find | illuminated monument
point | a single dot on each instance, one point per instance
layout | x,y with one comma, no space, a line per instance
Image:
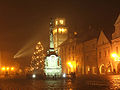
52,60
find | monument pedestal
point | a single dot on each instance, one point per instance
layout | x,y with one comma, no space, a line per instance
52,61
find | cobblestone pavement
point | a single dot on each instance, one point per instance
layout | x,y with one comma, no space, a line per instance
110,82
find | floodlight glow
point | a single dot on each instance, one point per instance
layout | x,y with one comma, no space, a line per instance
70,64
3,69
33,76
64,75
114,55
12,68
7,68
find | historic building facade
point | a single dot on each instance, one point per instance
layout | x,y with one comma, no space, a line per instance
90,60
91,55
116,45
103,54
72,56
108,54
79,56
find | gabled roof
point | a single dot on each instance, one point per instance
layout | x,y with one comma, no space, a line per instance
118,20
102,38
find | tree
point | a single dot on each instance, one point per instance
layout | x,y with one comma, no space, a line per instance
37,62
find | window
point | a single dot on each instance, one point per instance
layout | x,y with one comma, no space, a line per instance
105,53
99,54
56,22
61,21
117,50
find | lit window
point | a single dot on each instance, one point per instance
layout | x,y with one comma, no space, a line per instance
56,22
54,31
60,29
61,21
88,68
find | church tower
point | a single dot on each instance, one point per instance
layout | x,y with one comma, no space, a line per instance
60,32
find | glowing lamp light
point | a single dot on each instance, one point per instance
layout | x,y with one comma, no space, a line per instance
12,68
7,68
60,29
108,70
56,22
61,21
33,76
88,68
64,75
70,64
3,69
114,55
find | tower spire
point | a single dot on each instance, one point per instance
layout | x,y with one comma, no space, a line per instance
51,34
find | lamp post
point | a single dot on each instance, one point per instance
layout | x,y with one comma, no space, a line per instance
72,65
116,59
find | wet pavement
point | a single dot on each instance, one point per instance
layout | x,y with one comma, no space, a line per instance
110,82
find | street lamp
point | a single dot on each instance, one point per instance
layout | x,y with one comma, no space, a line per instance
12,68
7,68
72,65
3,69
115,56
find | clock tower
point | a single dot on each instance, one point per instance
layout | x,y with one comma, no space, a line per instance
60,32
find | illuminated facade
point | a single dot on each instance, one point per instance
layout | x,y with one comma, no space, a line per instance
60,32
78,55
103,54
116,45
52,60
91,55
108,54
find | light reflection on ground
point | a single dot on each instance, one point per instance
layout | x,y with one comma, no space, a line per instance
114,82
111,82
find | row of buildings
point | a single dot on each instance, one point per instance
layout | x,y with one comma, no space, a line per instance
87,53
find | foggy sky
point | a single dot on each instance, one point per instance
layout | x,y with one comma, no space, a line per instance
23,21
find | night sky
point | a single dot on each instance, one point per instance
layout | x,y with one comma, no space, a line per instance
25,21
